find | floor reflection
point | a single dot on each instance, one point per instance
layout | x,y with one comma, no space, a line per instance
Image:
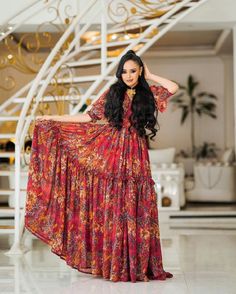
202,261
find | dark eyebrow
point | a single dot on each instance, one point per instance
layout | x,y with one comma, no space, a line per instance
131,68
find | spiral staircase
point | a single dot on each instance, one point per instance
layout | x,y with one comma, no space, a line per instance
84,43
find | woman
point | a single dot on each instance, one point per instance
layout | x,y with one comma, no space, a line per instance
90,192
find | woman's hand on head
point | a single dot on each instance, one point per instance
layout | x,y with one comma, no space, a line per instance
147,73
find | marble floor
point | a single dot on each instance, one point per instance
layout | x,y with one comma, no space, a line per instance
202,261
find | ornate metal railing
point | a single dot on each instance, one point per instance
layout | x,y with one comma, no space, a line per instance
25,52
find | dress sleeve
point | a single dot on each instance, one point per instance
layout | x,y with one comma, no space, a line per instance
161,94
96,112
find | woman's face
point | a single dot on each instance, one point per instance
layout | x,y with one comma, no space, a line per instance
130,73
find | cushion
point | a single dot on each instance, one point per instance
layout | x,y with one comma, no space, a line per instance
228,156
162,155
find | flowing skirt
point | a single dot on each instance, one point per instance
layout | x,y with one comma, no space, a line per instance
90,196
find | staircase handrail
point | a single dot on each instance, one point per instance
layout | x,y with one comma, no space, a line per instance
12,27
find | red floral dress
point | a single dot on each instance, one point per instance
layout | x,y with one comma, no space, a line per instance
91,197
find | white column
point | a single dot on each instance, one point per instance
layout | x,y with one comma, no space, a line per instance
234,81
103,37
229,133
16,248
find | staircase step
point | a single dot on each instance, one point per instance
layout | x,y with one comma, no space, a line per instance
6,192
9,192
6,229
7,136
110,44
6,154
9,172
168,20
19,100
190,4
7,267
178,14
9,118
81,79
88,62
52,99
6,211
12,118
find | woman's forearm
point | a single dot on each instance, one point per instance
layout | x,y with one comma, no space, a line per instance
168,84
81,117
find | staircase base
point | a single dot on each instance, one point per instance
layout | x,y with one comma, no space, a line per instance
17,249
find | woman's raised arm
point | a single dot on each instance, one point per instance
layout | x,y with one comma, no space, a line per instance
171,86
81,117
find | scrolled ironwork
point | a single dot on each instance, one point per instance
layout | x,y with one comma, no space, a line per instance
132,11
24,54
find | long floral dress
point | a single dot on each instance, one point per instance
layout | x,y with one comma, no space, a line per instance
91,197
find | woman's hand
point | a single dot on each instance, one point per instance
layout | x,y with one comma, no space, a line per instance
147,73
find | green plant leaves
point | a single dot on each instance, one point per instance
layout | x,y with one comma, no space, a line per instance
202,103
198,103
191,85
185,112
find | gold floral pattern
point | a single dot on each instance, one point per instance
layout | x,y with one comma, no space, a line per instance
90,196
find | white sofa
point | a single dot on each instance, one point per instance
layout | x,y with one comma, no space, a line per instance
214,181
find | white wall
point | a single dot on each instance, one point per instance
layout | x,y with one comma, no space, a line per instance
212,75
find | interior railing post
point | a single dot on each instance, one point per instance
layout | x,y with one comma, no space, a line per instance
103,37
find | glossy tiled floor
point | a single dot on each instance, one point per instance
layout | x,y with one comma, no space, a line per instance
202,261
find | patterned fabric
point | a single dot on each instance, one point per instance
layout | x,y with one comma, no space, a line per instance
91,197
161,94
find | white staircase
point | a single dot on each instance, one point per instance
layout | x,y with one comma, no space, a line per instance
102,53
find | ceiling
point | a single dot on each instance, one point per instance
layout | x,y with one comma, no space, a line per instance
175,42
196,41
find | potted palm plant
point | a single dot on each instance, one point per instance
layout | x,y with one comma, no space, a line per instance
192,103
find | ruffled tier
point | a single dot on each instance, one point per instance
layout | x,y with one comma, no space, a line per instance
99,222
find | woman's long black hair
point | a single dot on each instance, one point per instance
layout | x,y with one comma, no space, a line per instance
143,103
